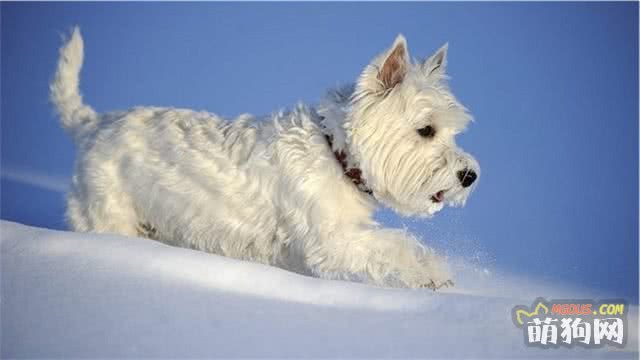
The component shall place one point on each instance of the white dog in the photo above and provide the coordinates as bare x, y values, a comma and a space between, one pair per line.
296, 189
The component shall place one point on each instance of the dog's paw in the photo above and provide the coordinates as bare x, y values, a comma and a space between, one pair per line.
147, 230
435, 286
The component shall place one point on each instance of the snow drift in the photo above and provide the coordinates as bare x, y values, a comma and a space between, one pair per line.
86, 295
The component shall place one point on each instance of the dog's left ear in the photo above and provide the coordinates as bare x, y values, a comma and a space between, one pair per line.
395, 66
437, 63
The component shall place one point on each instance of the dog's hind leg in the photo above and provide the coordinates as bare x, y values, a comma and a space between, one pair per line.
76, 214
101, 210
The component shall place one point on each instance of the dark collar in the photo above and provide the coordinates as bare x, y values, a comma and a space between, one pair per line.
354, 174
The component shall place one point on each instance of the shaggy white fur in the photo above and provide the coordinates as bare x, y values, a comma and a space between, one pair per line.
271, 190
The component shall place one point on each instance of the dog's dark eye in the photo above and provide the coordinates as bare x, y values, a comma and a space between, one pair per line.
427, 131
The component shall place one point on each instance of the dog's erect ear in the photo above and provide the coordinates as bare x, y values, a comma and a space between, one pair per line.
437, 63
395, 65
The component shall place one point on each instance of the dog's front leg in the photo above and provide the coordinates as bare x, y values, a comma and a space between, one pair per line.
380, 256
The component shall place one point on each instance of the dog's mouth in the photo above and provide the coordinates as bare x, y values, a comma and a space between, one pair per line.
438, 197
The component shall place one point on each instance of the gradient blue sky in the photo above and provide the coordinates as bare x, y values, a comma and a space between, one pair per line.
553, 88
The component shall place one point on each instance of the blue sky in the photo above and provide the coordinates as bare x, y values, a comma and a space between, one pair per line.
552, 86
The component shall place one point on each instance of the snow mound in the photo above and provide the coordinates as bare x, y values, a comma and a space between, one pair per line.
86, 295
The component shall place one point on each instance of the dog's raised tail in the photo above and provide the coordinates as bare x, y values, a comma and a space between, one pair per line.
65, 93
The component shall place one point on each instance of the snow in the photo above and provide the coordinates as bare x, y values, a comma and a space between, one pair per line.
86, 295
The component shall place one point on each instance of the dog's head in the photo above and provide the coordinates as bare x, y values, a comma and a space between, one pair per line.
401, 125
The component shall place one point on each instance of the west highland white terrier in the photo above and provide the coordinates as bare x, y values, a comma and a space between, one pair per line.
296, 189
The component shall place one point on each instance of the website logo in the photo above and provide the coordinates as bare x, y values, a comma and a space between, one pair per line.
566, 323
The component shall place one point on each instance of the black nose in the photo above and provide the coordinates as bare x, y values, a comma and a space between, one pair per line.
467, 177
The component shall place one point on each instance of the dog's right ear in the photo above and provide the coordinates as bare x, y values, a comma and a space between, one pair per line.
395, 65
436, 63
